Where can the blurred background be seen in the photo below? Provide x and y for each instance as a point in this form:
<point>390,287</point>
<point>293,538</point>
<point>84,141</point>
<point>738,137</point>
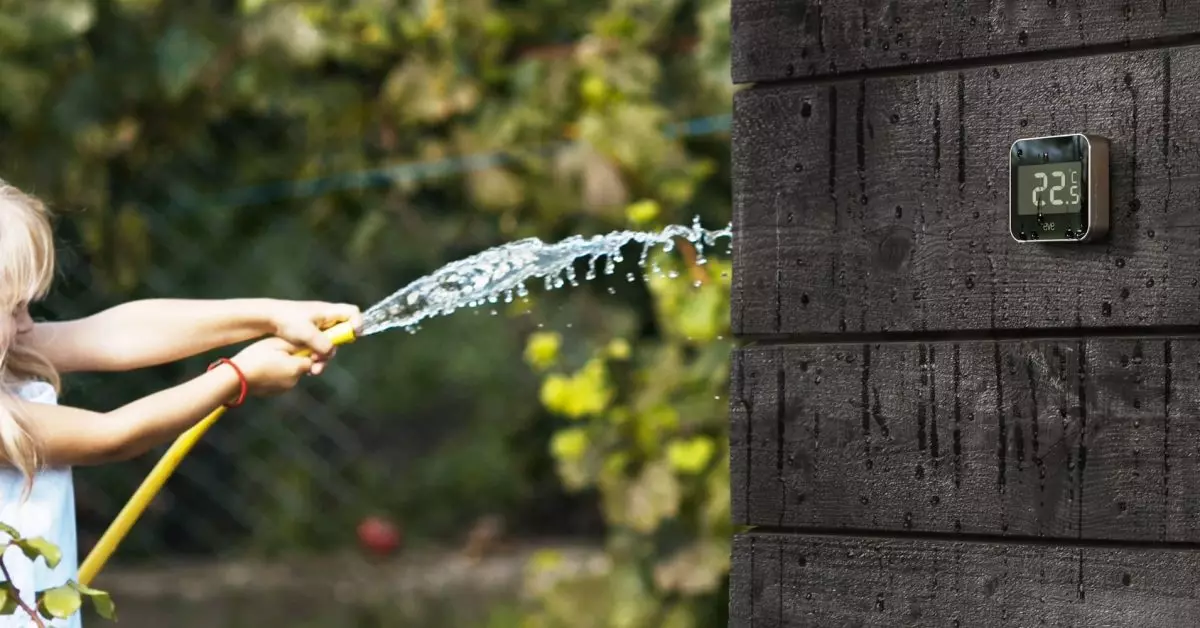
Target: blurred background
<point>558,461</point>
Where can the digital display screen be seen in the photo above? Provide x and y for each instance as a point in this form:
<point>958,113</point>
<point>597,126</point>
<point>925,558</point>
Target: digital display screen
<point>1054,188</point>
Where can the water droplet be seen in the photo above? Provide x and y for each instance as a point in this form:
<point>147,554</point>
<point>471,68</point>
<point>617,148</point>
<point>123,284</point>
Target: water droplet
<point>612,290</point>
<point>629,277</point>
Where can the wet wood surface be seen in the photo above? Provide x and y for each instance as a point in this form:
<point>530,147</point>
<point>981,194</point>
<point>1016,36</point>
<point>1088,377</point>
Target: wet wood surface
<point>934,425</point>
<point>882,205</point>
<point>1086,439</point>
<point>828,582</point>
<point>777,40</point>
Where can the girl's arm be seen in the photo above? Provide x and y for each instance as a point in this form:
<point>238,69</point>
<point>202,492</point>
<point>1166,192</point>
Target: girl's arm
<point>156,331</point>
<point>71,436</point>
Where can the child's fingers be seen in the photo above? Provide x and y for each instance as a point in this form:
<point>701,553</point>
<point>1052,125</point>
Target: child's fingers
<point>319,364</point>
<point>279,344</point>
<point>339,312</point>
<point>306,334</point>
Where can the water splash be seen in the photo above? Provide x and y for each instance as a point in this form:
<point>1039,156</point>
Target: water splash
<point>501,272</point>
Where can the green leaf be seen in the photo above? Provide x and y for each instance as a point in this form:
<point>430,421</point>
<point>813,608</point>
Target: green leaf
<point>9,530</point>
<point>182,54</point>
<point>38,546</point>
<point>8,599</point>
<point>101,601</point>
<point>691,456</point>
<point>60,602</point>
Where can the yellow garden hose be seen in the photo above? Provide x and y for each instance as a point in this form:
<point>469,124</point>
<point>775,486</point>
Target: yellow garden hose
<point>340,334</point>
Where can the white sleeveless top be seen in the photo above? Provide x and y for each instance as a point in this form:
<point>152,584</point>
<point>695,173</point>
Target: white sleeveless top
<point>49,512</point>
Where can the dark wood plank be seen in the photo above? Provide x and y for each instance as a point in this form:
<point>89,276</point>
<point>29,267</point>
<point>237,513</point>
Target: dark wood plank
<point>793,581</point>
<point>1096,439</point>
<point>881,205</point>
<point>781,39</point>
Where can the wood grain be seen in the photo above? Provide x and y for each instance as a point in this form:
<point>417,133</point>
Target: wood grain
<point>882,205</point>
<point>1096,439</point>
<point>782,39</point>
<point>794,581</point>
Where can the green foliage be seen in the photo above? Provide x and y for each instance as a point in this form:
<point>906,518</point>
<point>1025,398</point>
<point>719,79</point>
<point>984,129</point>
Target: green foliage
<point>56,603</point>
<point>645,430</point>
<point>161,130</point>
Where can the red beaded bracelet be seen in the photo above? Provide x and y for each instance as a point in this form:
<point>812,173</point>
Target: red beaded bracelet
<point>241,378</point>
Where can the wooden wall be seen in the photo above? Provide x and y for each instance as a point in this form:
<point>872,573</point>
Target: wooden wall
<point>933,425</point>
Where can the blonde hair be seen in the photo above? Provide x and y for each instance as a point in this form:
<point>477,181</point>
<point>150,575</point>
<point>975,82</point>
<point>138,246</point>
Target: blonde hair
<point>26,273</point>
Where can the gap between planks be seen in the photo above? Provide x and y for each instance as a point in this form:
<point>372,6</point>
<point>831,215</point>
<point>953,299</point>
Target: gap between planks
<point>1012,58</point>
<point>1175,332</point>
<point>978,539</point>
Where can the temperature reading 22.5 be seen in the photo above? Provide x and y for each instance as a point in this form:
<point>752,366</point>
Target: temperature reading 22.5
<point>1061,177</point>
<point>1050,188</point>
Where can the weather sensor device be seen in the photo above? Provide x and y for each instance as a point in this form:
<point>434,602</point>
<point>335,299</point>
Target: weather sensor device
<point>1058,188</point>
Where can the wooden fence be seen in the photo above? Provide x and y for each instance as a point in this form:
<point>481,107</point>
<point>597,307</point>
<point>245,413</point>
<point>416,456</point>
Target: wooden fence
<point>932,424</point>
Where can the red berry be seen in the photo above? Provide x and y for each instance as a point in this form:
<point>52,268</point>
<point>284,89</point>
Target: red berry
<point>378,536</point>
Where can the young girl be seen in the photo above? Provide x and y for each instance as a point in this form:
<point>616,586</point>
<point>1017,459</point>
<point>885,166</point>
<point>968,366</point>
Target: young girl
<point>40,441</point>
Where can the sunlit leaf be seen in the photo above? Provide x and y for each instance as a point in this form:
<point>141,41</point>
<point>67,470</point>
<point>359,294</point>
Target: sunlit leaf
<point>691,456</point>
<point>36,547</point>
<point>60,602</point>
<point>541,350</point>
<point>101,601</point>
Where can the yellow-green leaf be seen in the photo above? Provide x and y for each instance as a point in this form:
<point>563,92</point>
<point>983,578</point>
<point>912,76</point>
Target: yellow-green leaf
<point>642,212</point>
<point>541,351</point>
<point>691,456</point>
<point>569,444</point>
<point>60,602</point>
<point>8,599</point>
<point>101,601</point>
<point>39,546</point>
<point>618,349</point>
<point>555,391</point>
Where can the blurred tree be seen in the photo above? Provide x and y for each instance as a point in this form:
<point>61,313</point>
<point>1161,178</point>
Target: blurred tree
<point>339,148</point>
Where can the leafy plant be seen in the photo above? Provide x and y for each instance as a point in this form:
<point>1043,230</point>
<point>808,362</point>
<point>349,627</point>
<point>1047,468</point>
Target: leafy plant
<point>644,430</point>
<point>59,602</point>
<point>383,138</point>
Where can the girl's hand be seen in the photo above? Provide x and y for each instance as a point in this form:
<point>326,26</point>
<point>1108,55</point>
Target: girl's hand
<point>301,323</point>
<point>271,366</point>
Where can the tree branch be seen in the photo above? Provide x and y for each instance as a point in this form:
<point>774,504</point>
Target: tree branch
<point>33,614</point>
